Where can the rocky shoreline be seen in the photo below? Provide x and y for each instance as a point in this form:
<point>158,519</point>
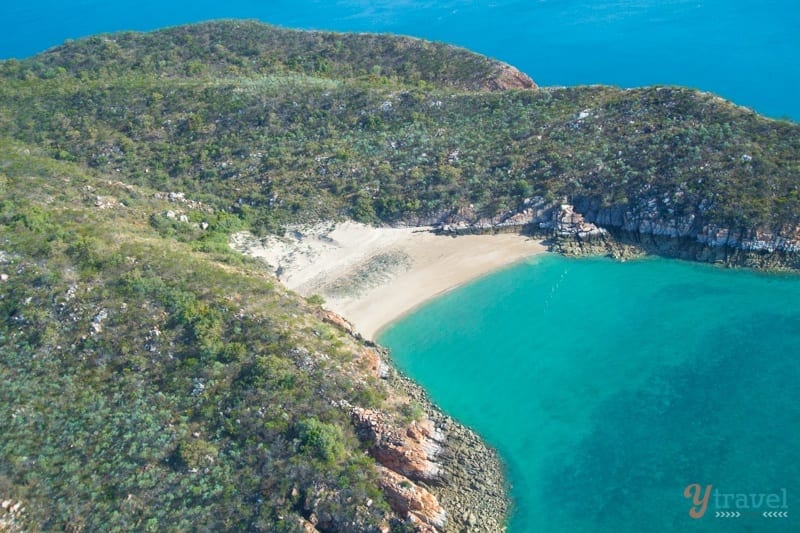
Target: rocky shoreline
<point>582,230</point>
<point>474,491</point>
<point>437,474</point>
<point>470,483</point>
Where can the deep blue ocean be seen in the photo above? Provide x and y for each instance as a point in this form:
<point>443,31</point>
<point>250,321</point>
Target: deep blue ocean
<point>608,388</point>
<point>745,50</point>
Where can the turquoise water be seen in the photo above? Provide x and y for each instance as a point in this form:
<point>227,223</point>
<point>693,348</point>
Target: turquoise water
<point>609,387</point>
<point>745,50</point>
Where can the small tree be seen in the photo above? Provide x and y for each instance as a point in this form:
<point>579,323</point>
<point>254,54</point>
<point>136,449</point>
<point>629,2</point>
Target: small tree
<point>325,441</point>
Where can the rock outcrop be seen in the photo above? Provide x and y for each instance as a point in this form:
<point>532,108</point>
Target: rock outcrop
<point>431,468</point>
<point>509,77</point>
<point>411,501</point>
<point>410,451</point>
<point>406,455</point>
<point>11,512</point>
<point>534,212</point>
<point>337,320</point>
<point>474,493</point>
<point>565,221</point>
<point>654,229</point>
<point>647,219</point>
<point>584,228</point>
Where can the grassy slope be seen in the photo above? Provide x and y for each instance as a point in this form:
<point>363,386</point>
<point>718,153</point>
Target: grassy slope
<point>152,383</point>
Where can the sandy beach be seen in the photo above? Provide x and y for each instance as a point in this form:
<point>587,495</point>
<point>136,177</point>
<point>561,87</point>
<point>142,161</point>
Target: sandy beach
<point>372,276</point>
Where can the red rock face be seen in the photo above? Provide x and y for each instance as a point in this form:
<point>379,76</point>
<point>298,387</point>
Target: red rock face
<point>332,318</point>
<point>509,78</point>
<point>410,451</point>
<point>411,501</point>
<point>405,454</point>
<point>372,361</point>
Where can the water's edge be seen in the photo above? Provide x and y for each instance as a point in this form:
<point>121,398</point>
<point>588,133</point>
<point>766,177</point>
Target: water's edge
<point>479,474</point>
<point>477,494</point>
<point>621,245</point>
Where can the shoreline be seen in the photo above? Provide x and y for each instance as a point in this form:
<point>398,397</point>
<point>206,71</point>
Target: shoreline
<point>374,276</point>
<point>400,316</point>
<point>478,496</point>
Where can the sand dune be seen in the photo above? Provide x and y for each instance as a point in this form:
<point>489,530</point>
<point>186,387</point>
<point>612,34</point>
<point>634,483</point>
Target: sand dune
<point>372,276</point>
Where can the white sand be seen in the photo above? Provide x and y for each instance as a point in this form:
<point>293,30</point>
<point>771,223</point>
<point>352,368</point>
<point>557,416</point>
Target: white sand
<point>372,276</point>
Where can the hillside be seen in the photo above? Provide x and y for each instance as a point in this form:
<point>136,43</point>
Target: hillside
<point>155,379</point>
<point>388,131</point>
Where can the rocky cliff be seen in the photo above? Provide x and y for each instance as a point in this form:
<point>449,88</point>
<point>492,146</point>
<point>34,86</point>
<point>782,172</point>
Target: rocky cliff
<point>436,474</point>
<point>410,450</point>
<point>691,237</point>
<point>587,229</point>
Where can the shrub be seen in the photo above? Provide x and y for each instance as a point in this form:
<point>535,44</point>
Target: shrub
<point>324,441</point>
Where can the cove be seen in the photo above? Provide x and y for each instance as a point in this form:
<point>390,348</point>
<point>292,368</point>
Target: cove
<point>609,388</point>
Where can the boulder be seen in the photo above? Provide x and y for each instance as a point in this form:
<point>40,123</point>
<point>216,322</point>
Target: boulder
<point>332,318</point>
<point>410,451</point>
<point>411,501</point>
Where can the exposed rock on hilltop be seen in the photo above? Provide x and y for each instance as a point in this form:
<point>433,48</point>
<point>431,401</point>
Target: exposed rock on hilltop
<point>509,78</point>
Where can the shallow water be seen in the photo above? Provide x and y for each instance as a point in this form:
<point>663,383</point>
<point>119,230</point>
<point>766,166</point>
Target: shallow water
<point>745,50</point>
<point>609,387</point>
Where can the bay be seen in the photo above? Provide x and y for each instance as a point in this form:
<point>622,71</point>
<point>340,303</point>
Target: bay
<point>608,388</point>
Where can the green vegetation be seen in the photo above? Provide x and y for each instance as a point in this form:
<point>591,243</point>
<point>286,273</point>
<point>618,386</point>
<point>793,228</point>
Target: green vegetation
<point>315,299</point>
<point>151,383</point>
<point>155,380</point>
<point>229,114</point>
